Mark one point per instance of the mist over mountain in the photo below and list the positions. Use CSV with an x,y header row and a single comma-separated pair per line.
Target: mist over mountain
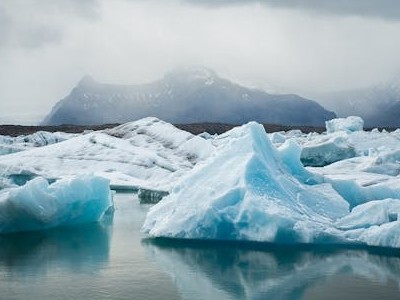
x,y
190,95
378,105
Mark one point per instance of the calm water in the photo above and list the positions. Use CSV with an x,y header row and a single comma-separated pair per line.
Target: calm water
x,y
114,261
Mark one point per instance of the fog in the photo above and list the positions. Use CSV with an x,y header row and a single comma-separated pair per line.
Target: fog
x,y
306,47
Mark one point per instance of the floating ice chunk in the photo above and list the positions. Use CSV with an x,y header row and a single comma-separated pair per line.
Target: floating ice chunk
x,y
375,223
39,205
371,213
360,180
325,150
349,124
245,192
151,196
10,144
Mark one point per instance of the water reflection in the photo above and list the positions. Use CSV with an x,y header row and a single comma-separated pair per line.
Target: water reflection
x,y
229,271
77,249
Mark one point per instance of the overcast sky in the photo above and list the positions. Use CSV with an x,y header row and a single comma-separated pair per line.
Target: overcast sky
x,y
305,47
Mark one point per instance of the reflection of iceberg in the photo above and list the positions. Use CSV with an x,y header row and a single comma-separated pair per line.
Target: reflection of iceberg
x,y
226,271
83,248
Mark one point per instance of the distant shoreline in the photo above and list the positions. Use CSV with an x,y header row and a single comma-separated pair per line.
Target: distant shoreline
x,y
197,128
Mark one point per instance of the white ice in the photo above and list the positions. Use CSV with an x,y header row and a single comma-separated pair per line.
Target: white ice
x,y
10,144
148,153
349,124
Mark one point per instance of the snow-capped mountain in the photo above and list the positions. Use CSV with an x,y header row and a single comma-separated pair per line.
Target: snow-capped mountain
x,y
378,105
183,96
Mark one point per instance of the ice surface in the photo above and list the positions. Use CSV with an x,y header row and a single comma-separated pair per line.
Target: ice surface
x,y
148,153
40,205
249,190
349,124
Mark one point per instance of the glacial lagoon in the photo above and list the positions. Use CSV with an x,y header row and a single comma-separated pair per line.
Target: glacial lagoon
x,y
113,260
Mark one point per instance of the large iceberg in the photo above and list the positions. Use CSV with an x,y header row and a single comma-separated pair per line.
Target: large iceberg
x,y
147,153
39,205
246,192
249,190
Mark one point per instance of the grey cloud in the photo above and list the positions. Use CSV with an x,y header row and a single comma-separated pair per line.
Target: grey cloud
x,y
37,23
40,36
5,26
386,9
88,9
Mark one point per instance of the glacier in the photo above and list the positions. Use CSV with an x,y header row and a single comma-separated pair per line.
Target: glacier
x,y
39,205
251,190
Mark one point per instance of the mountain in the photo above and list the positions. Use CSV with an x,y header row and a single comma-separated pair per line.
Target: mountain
x,y
190,95
379,105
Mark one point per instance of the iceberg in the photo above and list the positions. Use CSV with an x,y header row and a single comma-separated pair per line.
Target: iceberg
x,y
325,150
349,124
251,191
147,153
39,205
342,141
245,192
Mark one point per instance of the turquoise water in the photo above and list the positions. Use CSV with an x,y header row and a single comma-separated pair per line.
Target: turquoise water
x,y
113,260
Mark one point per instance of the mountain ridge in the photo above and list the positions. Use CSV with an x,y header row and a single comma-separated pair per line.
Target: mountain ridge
x,y
378,105
190,95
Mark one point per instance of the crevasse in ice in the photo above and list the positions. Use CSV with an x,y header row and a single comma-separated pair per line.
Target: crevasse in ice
x,y
39,205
